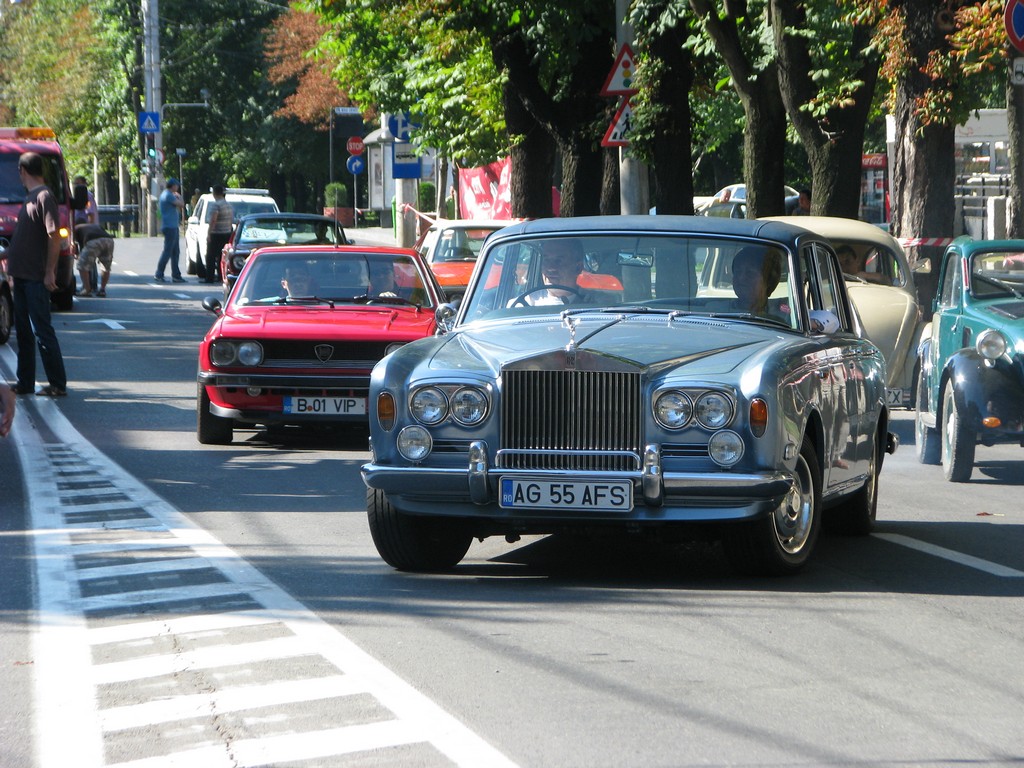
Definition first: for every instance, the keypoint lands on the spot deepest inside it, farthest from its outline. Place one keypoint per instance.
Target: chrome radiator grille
(575, 420)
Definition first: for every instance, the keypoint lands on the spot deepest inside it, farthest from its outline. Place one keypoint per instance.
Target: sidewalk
(372, 235)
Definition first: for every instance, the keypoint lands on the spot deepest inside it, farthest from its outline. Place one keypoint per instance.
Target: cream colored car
(881, 287)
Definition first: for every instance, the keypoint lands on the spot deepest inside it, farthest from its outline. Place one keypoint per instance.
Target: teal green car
(971, 385)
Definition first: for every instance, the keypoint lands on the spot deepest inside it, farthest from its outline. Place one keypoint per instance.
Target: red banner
(484, 192)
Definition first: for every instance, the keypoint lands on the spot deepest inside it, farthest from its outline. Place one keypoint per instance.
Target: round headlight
(238, 262)
(673, 410)
(429, 405)
(222, 352)
(469, 406)
(726, 448)
(714, 410)
(250, 353)
(991, 344)
(393, 346)
(414, 443)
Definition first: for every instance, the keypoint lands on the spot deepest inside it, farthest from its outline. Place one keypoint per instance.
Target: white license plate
(581, 495)
(325, 406)
(894, 397)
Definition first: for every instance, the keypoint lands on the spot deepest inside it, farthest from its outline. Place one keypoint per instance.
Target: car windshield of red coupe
(357, 278)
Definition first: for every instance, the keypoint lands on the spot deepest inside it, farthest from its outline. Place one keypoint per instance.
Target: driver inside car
(561, 265)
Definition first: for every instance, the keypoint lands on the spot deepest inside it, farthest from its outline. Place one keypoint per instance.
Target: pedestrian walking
(95, 245)
(222, 221)
(32, 263)
(171, 206)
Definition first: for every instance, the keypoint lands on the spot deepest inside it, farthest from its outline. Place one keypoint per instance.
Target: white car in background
(885, 297)
(243, 201)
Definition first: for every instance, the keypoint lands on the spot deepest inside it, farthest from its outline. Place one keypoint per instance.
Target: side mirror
(212, 304)
(444, 315)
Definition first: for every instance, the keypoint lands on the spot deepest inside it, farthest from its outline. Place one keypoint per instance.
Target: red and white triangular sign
(620, 79)
(617, 134)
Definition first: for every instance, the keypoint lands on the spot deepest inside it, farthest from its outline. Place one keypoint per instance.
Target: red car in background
(451, 247)
(301, 332)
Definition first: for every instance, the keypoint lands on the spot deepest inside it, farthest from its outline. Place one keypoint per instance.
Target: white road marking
(949, 554)
(231, 700)
(113, 325)
(74, 521)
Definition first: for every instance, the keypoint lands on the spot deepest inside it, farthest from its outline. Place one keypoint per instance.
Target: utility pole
(154, 99)
(633, 192)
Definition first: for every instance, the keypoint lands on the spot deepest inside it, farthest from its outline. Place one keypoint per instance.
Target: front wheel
(413, 543)
(957, 440)
(211, 429)
(781, 543)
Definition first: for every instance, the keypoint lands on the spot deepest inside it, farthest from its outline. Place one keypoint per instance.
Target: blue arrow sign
(149, 122)
(401, 126)
(356, 165)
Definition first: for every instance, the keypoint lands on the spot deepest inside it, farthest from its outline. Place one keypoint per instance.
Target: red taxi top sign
(620, 79)
(1013, 20)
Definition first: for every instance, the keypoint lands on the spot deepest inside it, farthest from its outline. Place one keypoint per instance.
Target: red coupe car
(301, 331)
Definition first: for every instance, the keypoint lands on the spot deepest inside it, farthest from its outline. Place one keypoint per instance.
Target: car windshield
(290, 232)
(13, 191)
(459, 244)
(997, 274)
(245, 207)
(701, 275)
(331, 277)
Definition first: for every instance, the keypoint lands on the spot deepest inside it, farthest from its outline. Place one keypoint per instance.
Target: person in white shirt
(561, 265)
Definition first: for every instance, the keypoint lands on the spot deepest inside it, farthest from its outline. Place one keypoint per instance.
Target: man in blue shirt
(171, 205)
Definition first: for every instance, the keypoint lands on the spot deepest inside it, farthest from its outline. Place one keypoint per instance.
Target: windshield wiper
(380, 299)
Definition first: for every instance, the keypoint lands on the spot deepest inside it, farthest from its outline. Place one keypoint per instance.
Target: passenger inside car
(756, 271)
(297, 280)
(855, 265)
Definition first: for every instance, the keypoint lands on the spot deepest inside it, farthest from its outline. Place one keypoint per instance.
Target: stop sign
(354, 146)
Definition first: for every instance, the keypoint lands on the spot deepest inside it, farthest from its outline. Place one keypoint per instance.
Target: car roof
(318, 249)
(838, 227)
(654, 225)
(286, 216)
(969, 245)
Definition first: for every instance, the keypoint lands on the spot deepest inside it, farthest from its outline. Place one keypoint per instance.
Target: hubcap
(793, 517)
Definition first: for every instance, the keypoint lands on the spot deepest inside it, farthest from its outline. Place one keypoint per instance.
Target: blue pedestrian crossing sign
(149, 122)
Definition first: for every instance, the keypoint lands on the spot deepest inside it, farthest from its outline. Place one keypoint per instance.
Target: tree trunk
(764, 141)
(532, 157)
(835, 143)
(1015, 137)
(611, 205)
(582, 173)
(924, 171)
(764, 138)
(673, 136)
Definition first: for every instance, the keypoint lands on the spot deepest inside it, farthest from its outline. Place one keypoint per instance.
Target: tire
(927, 441)
(211, 429)
(781, 543)
(412, 543)
(856, 516)
(64, 299)
(6, 314)
(958, 442)
(190, 264)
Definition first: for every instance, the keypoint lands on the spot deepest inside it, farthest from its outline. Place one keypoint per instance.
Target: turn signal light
(386, 411)
(992, 422)
(758, 416)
